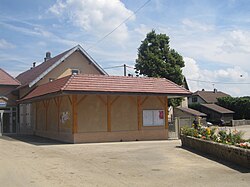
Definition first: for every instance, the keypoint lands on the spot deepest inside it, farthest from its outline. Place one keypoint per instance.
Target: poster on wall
(153, 117)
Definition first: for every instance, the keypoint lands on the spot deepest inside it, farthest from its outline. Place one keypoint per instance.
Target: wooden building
(97, 108)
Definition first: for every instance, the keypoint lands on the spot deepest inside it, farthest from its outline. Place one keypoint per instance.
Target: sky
(212, 36)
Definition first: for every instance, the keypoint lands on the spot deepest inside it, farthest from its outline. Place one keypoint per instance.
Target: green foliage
(156, 59)
(240, 105)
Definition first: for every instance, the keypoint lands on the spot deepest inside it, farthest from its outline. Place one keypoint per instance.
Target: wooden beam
(37, 114)
(83, 97)
(115, 99)
(74, 111)
(103, 100)
(108, 114)
(144, 100)
(162, 102)
(132, 99)
(46, 105)
(58, 101)
(70, 100)
(166, 112)
(139, 112)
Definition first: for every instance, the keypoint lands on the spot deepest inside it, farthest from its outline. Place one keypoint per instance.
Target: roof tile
(109, 84)
(7, 79)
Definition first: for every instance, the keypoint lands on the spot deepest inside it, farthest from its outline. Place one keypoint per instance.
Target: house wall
(92, 118)
(74, 61)
(53, 118)
(199, 100)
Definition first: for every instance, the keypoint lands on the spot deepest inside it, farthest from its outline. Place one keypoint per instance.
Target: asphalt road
(38, 162)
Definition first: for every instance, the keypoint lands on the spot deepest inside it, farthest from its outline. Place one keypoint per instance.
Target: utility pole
(125, 69)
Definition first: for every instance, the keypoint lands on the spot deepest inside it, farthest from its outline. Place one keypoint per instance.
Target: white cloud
(6, 45)
(237, 41)
(197, 25)
(97, 17)
(200, 78)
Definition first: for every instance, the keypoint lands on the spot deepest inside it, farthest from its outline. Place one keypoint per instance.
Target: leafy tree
(240, 105)
(157, 59)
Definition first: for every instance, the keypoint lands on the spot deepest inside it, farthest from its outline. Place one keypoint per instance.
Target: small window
(194, 99)
(75, 71)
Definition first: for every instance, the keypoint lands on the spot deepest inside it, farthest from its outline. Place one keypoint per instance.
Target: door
(7, 127)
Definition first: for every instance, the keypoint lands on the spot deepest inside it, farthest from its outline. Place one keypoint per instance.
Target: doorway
(8, 119)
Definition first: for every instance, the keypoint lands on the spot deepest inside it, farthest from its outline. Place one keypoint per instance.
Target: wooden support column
(166, 112)
(74, 112)
(36, 114)
(108, 114)
(46, 106)
(139, 112)
(58, 101)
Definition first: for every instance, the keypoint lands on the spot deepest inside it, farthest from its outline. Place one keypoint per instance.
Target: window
(75, 71)
(153, 117)
(194, 99)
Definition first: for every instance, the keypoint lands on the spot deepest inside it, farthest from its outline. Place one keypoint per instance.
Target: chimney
(215, 90)
(34, 64)
(203, 90)
(47, 56)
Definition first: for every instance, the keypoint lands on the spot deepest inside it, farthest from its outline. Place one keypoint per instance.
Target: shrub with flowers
(217, 135)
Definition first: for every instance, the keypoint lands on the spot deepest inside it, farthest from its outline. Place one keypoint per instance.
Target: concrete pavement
(148, 163)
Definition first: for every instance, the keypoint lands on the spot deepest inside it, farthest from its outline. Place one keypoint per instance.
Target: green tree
(157, 59)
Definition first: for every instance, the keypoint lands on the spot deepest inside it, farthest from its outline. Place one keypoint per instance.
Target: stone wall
(240, 122)
(229, 153)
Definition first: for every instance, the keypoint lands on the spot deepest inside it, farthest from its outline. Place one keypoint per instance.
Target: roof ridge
(68, 81)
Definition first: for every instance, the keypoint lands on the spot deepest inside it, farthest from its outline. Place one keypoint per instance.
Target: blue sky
(213, 36)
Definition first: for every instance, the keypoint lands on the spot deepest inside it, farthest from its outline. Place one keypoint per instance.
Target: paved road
(148, 163)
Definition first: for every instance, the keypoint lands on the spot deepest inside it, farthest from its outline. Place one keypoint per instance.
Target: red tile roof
(217, 108)
(31, 74)
(109, 84)
(210, 96)
(7, 79)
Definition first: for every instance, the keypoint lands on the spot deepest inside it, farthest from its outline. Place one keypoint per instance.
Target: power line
(214, 82)
(105, 36)
(112, 67)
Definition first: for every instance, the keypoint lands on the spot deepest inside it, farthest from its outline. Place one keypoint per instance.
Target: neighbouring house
(204, 97)
(70, 98)
(206, 101)
(8, 104)
(216, 113)
(186, 116)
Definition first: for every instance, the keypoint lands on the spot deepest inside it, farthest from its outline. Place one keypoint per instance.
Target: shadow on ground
(210, 157)
(31, 139)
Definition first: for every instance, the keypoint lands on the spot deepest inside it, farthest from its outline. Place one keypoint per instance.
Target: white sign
(153, 117)
(65, 117)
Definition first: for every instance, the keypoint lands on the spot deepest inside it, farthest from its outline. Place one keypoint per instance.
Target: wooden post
(139, 112)
(46, 105)
(74, 112)
(36, 114)
(58, 102)
(166, 112)
(108, 114)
